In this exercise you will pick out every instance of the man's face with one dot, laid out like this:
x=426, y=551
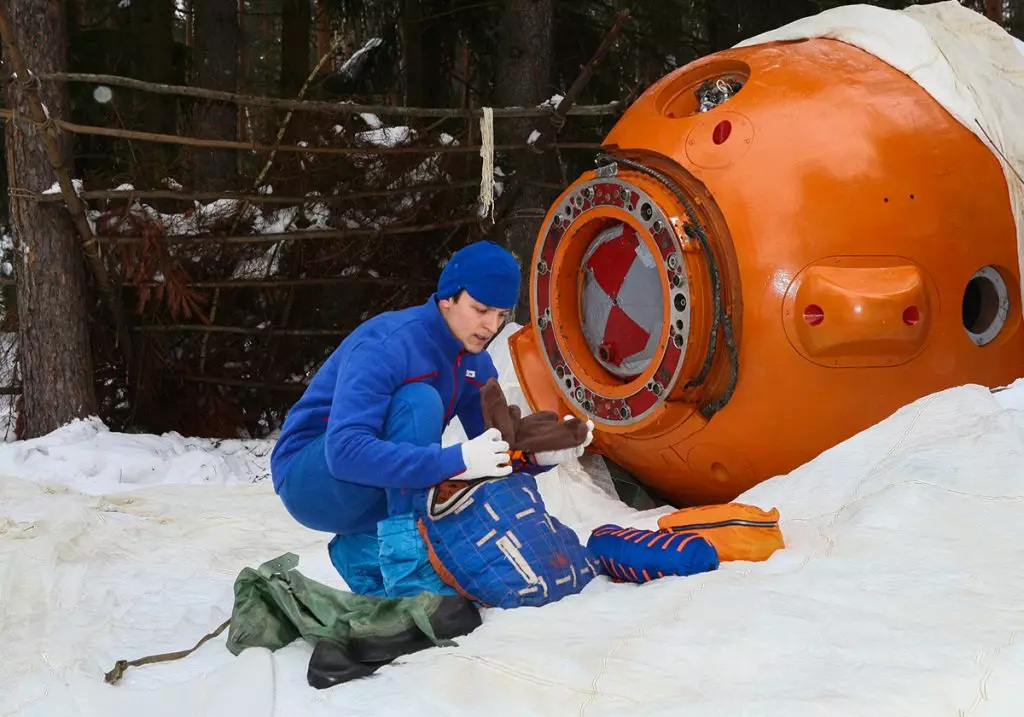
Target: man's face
x=472, y=323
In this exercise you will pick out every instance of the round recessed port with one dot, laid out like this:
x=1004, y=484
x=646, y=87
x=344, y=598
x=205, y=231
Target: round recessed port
x=703, y=88
x=621, y=302
x=985, y=306
x=911, y=315
x=814, y=315
x=721, y=132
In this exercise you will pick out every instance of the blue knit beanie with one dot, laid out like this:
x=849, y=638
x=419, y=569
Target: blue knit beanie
x=489, y=273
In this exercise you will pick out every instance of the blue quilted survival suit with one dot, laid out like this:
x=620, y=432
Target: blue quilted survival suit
x=365, y=438
x=495, y=541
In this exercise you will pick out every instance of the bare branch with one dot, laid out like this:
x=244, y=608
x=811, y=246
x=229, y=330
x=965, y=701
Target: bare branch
x=557, y=119
x=256, y=147
x=314, y=235
x=259, y=198
x=239, y=382
x=272, y=283
x=277, y=283
x=242, y=330
x=336, y=108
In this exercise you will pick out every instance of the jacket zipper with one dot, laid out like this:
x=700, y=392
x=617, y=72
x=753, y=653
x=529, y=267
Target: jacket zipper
x=455, y=384
x=725, y=524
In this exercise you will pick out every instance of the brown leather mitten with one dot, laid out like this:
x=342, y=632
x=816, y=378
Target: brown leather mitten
x=497, y=413
x=538, y=432
x=541, y=431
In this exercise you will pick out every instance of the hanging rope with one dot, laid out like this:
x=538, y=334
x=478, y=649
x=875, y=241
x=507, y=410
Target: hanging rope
x=487, y=154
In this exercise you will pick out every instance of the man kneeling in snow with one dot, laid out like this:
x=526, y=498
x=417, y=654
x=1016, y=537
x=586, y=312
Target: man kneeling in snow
x=364, y=441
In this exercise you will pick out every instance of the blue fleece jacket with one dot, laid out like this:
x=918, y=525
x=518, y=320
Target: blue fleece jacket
x=349, y=396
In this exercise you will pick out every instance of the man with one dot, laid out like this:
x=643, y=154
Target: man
x=365, y=437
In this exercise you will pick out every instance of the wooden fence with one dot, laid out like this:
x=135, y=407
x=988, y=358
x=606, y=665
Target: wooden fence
x=318, y=260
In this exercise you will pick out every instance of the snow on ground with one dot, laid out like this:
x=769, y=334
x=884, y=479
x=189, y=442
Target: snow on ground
x=898, y=593
x=89, y=458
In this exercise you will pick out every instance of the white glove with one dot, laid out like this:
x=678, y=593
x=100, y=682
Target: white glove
x=554, y=458
x=486, y=456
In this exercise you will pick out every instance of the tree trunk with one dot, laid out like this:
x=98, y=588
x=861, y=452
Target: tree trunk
x=216, y=68
x=324, y=36
x=296, y=26
x=429, y=53
x=1016, y=18
x=412, y=53
x=756, y=18
x=723, y=24
x=268, y=27
x=53, y=315
x=152, y=59
x=296, y=46
x=523, y=79
x=190, y=23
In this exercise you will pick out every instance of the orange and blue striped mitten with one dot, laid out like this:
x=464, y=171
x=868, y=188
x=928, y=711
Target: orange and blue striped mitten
x=639, y=556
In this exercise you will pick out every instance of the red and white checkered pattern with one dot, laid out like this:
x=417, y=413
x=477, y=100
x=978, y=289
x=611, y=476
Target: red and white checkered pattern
x=622, y=302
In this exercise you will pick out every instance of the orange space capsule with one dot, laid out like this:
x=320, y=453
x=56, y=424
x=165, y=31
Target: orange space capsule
x=781, y=245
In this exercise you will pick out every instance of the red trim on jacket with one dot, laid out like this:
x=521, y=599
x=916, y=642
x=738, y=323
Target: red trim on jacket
x=432, y=374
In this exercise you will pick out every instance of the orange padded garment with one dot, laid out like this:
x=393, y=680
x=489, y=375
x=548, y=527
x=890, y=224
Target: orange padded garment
x=738, y=531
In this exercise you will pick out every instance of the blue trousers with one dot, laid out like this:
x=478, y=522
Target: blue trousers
x=376, y=548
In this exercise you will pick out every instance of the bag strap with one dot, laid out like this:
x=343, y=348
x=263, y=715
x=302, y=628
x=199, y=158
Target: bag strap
x=112, y=677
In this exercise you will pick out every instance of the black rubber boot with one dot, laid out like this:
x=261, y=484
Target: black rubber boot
x=331, y=665
x=454, y=616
